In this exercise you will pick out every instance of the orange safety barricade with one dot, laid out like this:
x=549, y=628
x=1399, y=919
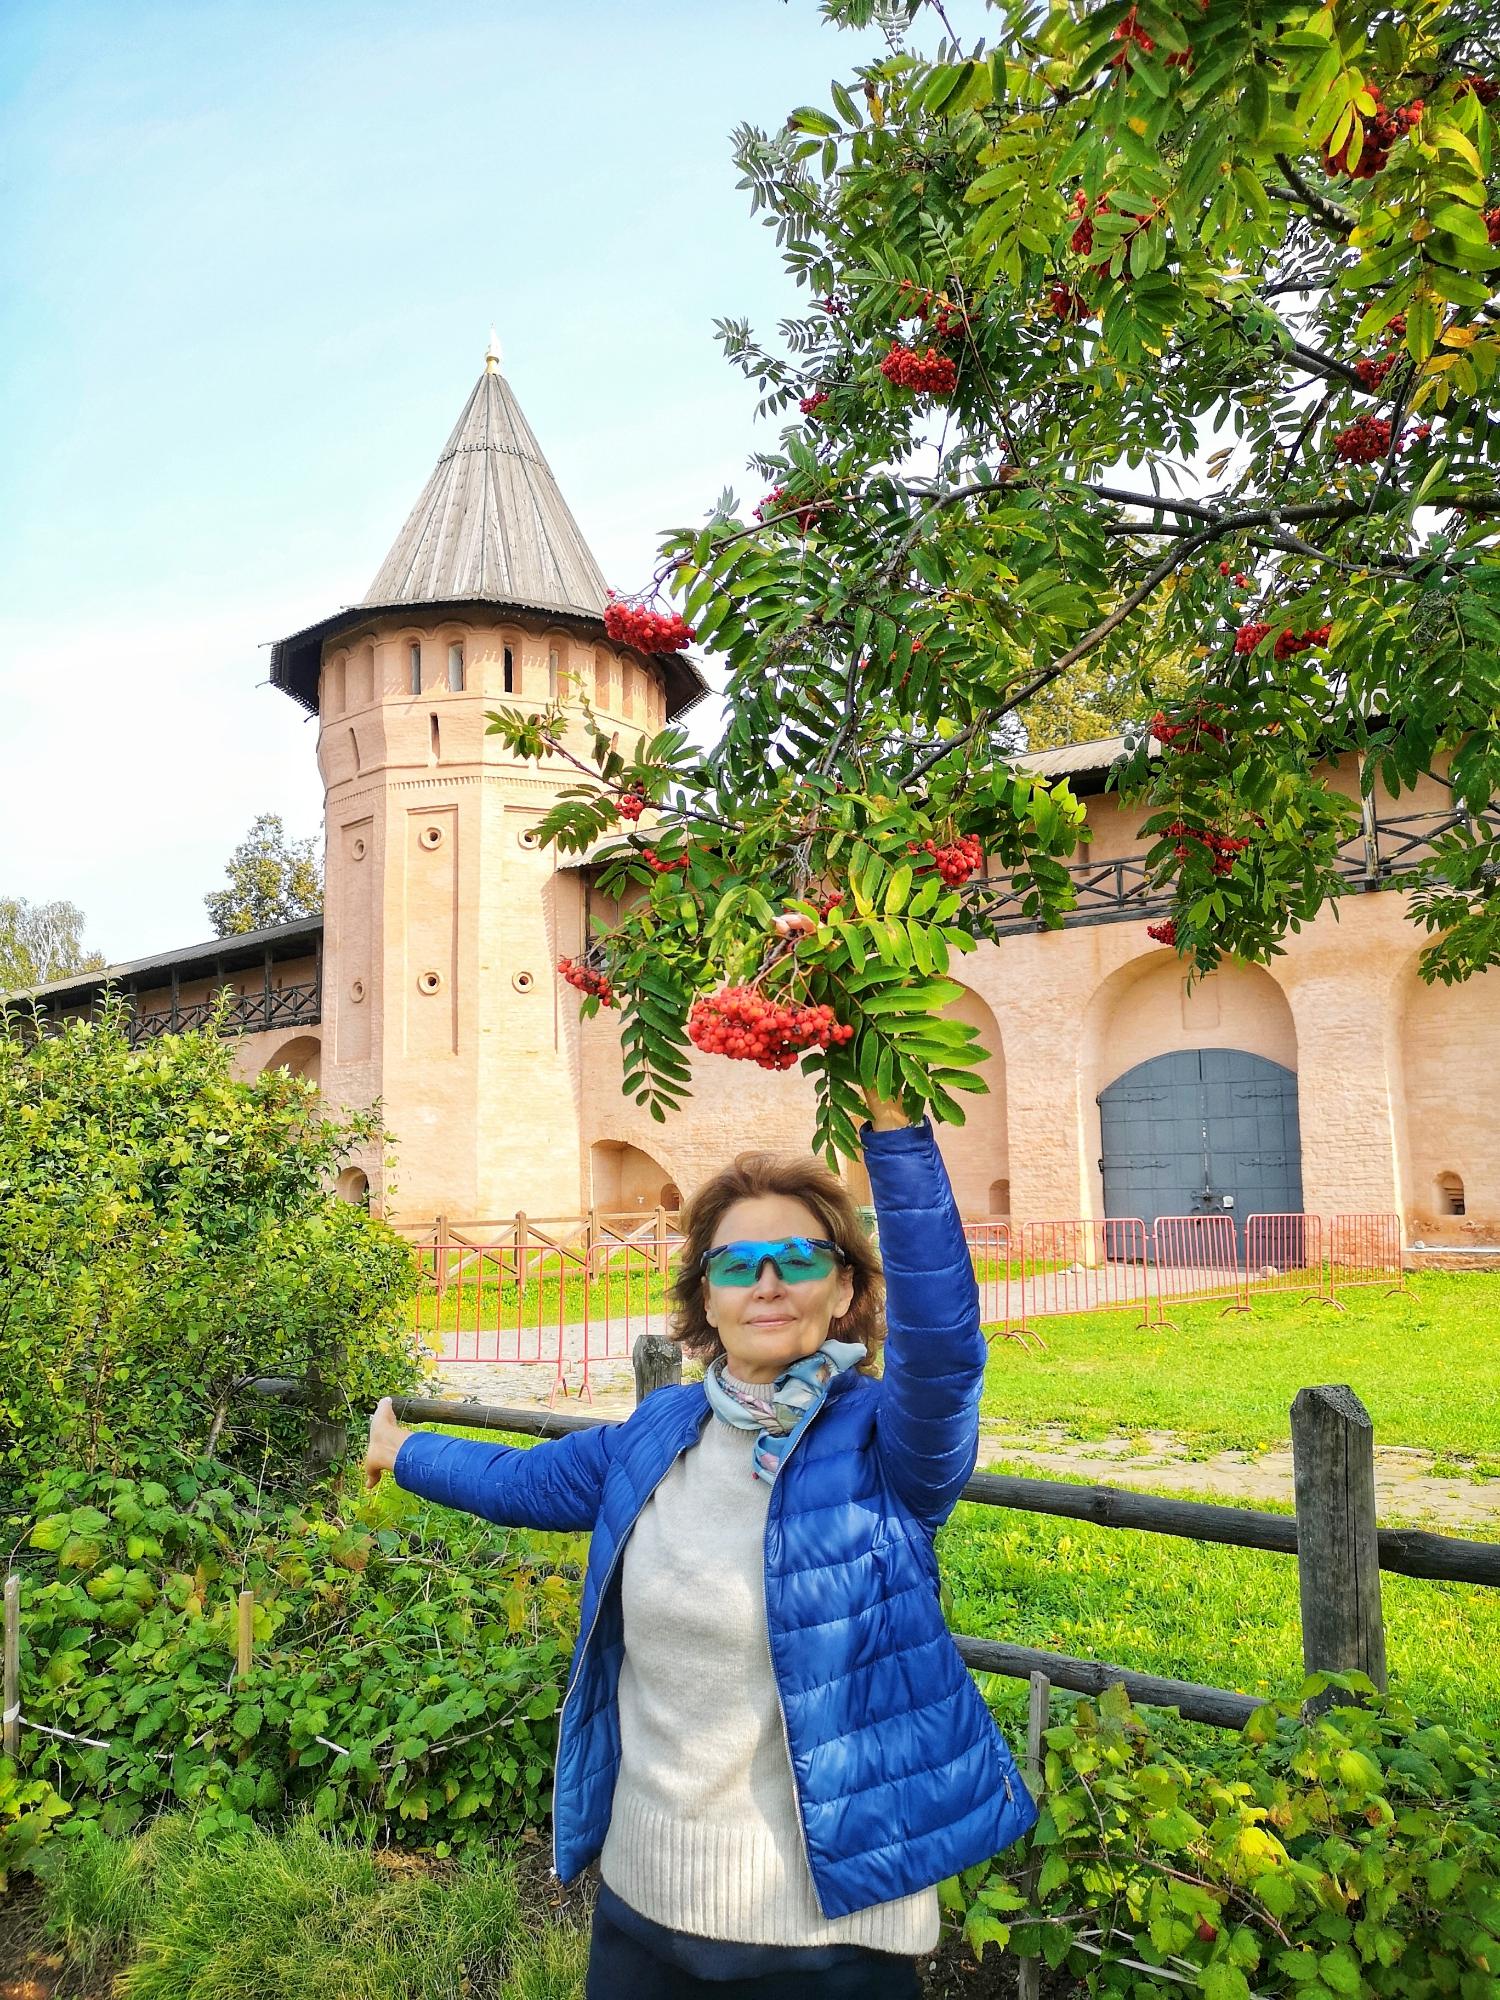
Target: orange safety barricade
x=1284, y=1253
x=1196, y=1259
x=1365, y=1250
x=1086, y=1264
x=989, y=1250
x=471, y=1307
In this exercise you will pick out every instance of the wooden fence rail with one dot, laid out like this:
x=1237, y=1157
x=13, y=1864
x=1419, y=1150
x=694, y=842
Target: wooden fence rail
x=1334, y=1535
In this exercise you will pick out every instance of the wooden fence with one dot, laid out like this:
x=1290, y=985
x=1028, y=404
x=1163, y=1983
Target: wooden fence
x=1338, y=1545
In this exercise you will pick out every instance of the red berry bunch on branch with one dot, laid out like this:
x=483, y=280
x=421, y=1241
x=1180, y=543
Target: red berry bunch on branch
x=1239, y=575
x=1372, y=372
x=1130, y=31
x=1082, y=239
x=956, y=861
x=1485, y=88
x=1222, y=847
x=659, y=867
x=633, y=801
x=829, y=902
x=813, y=402
x=1187, y=734
x=1363, y=441
x=946, y=319
x=806, y=517
x=587, y=980
x=1164, y=933
x=1492, y=226
x=1379, y=135
x=1066, y=302
x=632, y=624
x=1290, y=643
x=740, y=1022
x=928, y=373
x=1248, y=637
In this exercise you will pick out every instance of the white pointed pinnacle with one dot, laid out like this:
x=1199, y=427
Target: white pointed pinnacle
x=492, y=355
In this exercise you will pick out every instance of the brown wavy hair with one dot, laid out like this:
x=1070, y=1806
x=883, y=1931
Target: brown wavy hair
x=806, y=1180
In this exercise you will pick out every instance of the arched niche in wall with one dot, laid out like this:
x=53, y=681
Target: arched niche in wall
x=625, y=1179
x=1449, y=1040
x=302, y=1056
x=977, y=1153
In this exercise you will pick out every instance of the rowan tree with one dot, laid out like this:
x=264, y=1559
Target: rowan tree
x=1144, y=348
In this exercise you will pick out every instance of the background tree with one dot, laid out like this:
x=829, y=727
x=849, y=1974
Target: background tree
x=41, y=941
x=272, y=880
x=1129, y=340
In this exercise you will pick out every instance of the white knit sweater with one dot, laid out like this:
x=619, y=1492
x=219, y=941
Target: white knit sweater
x=704, y=1835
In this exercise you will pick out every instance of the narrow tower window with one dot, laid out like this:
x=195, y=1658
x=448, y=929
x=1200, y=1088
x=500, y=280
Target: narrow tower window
x=552, y=674
x=414, y=667
x=1451, y=1193
x=510, y=671
x=434, y=743
x=456, y=668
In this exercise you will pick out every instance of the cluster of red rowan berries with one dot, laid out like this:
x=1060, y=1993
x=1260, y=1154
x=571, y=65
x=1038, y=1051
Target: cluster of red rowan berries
x=834, y=306
x=1289, y=643
x=806, y=517
x=1068, y=303
x=1372, y=372
x=1222, y=846
x=659, y=867
x=1365, y=440
x=1239, y=576
x=948, y=320
x=931, y=373
x=633, y=801
x=829, y=902
x=1130, y=31
x=1082, y=239
x=813, y=402
x=740, y=1022
x=1164, y=933
x=956, y=861
x=648, y=631
x=1395, y=327
x=587, y=980
x=1485, y=88
x=1379, y=135
x=1492, y=226
x=1189, y=734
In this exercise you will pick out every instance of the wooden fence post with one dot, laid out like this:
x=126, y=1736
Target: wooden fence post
x=657, y=1363
x=659, y=1238
x=10, y=1740
x=1029, y=1972
x=1338, y=1552
x=440, y=1253
x=245, y=1650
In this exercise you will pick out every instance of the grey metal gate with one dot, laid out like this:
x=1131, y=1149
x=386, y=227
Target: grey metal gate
x=1202, y=1132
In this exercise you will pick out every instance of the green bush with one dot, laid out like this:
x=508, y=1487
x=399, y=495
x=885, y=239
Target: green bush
x=1356, y=1854
x=410, y=1675
x=166, y=1232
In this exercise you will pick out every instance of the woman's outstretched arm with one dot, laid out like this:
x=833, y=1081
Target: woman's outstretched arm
x=927, y=1428
x=555, y=1484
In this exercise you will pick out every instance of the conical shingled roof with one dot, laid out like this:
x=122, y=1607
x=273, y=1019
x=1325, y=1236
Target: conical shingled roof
x=491, y=522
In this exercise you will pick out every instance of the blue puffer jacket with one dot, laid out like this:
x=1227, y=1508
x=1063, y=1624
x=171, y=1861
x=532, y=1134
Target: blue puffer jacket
x=901, y=1776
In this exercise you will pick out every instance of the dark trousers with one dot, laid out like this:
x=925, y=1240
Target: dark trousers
x=623, y=1966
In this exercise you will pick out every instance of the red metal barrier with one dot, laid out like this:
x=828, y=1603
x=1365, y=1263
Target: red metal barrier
x=1086, y=1264
x=1196, y=1259
x=1284, y=1254
x=471, y=1308
x=989, y=1249
x=1364, y=1250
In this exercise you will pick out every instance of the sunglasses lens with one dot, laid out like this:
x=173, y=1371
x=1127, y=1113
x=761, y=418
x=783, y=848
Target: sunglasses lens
x=794, y=1257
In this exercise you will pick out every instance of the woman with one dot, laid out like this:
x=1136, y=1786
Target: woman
x=769, y=1740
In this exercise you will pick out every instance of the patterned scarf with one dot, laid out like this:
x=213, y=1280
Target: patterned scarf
x=781, y=1410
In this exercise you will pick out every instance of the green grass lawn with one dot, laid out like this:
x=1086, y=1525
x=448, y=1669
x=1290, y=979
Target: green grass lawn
x=1424, y=1364
x=475, y=1297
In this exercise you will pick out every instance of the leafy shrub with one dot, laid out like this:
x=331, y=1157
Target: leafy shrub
x=414, y=1678
x=167, y=1231
x=1355, y=1854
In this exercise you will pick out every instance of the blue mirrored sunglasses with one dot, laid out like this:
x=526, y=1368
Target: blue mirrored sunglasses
x=795, y=1258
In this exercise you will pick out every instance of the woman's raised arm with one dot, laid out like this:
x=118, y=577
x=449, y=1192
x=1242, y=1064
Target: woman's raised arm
x=927, y=1428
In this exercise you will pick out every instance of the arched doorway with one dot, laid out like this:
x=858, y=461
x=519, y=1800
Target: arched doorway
x=624, y=1178
x=1207, y=1131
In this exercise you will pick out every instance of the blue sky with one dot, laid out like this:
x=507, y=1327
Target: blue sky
x=250, y=261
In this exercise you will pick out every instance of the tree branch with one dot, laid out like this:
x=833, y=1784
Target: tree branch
x=1333, y=218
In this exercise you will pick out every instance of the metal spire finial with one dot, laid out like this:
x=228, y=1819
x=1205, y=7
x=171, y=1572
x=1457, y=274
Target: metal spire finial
x=492, y=355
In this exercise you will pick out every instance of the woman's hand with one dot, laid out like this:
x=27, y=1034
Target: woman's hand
x=386, y=1439
x=885, y=1116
